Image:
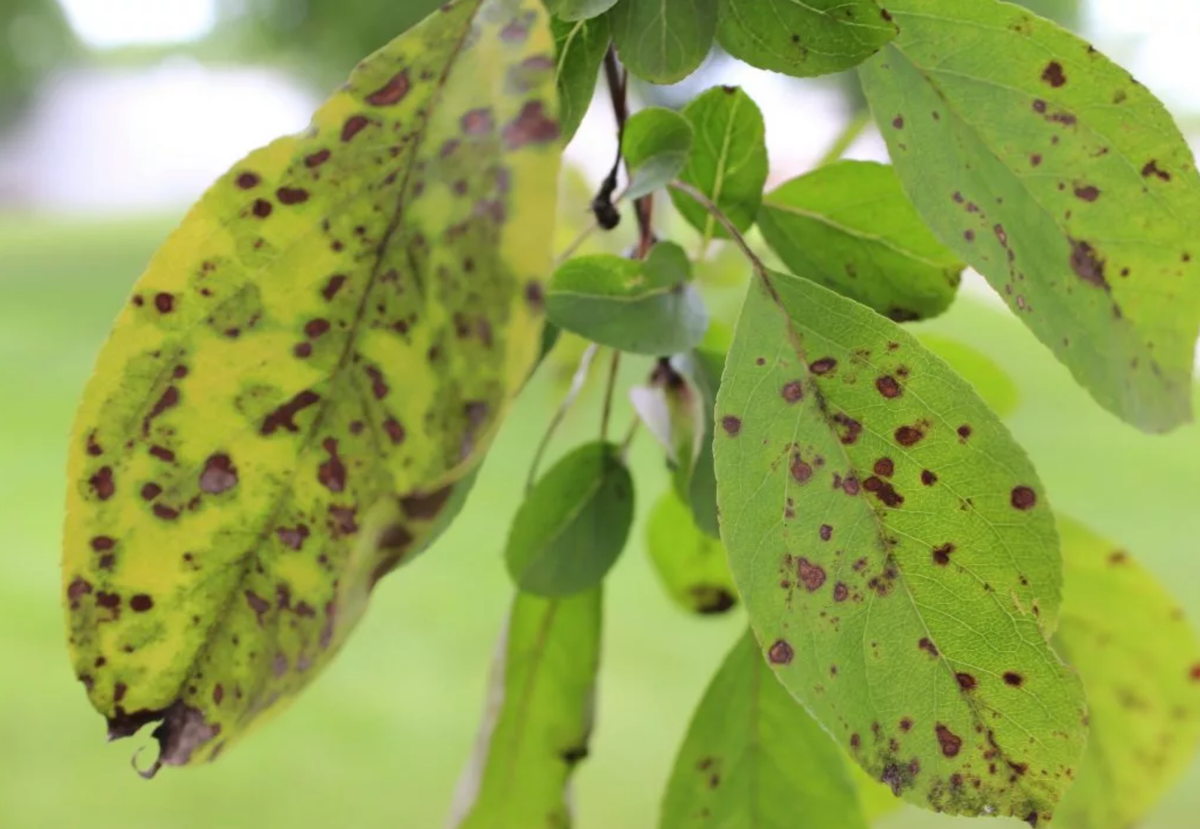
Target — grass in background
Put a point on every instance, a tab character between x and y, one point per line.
380	738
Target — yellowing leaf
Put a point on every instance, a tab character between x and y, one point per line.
690	564
1140	663
896	554
291	402
1056	175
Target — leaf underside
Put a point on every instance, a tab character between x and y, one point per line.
289	405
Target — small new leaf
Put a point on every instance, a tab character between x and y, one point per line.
753	758
1140	663
1061	179
573	524
728	163
663	41
849	227
839	436
580	46
644	307
656	146
692	566
804	39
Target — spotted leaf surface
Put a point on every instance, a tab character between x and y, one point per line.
580	46
754	759
691	565
897	556
663	41
988	379
1057	176
728	162
1140	663
304	378
809	38
538	719
849	227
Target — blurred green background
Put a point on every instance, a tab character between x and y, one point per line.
380	739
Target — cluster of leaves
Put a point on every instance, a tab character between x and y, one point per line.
296	399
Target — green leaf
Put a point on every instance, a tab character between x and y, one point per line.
1140	663
573	525
673	411
656	146
729	161
841	440
580	46
579	9
538	719
691	565
663	41
990	381
1062	180
754	759
644	307
849	227
305	377
805	39
697	485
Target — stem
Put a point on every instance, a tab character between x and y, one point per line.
609	393
847	137
634	427
577	381
576	244
618	87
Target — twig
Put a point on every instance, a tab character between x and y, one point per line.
846	137
577	382
609	393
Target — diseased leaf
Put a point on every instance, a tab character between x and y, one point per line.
538	721
1140	663
580	46
813	37
1062	180
579	9
754	759
656	145
305	377
691	565
573	524
990	381
697	486
728	162
849	227
645	307
673	411
663	41
839	437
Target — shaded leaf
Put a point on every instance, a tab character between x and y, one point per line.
539	715
814	37
691	565
645	307
839	436
310	368
1140	663
663	41
753	758
697	486
728	162
984	374
579	9
1062	180
573	525
656	146
580	46
673	411
849	227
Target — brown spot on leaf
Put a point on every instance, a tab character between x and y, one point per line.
531	126
793	392
1014	679
1023	498
928	477
248	180
334	285
258	604
823	365
812	576
219	475
140	603
394	430
826	532
732	425
332	473
964	431
426	506
291	195
800	469
353	126
849	428
379	387
392	92
888	386
884	491
1152	169
285	416
909	435
262	208
169	399
884	467
1088	192
102	483
1053	74
941	555
293	537
927	645
780	653
1087	265
317	159
840	592
950	742
966	682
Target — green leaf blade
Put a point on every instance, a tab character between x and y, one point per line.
849	227
663	41
1060	179
575	10
580	46
573	525
656	145
838	437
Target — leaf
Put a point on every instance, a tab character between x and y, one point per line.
690	564
538	719
580	46
579	9
305	377
697	485
1140	663
804	39
673	410
1053	173
729	161
573	525
663	41
849	227
990	381
656	145
644	307
754	758
896	554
